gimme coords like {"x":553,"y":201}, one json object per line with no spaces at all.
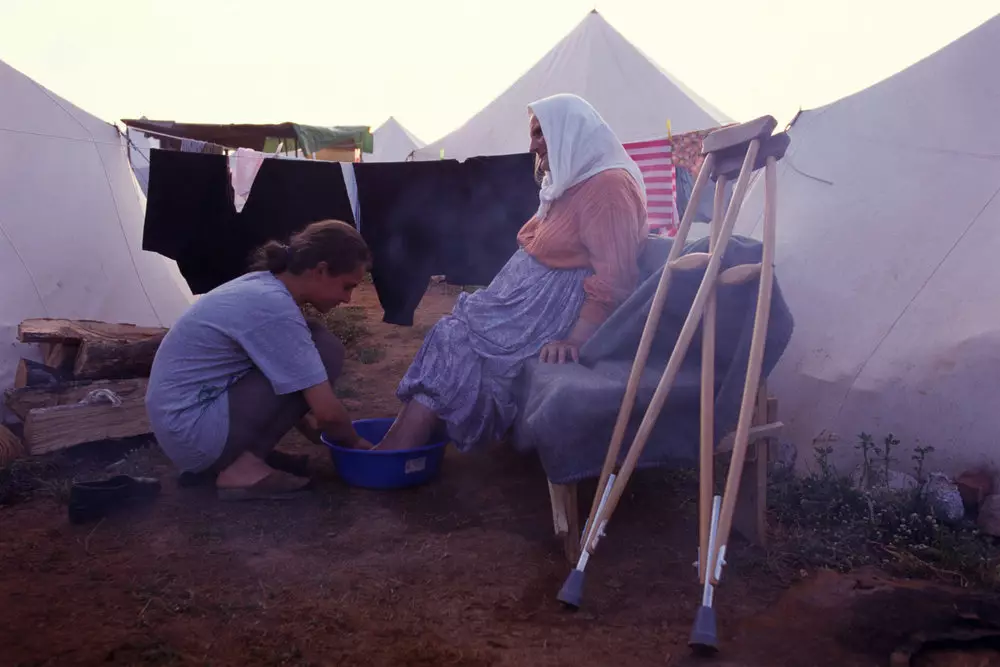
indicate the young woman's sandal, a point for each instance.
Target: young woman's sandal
{"x":277,"y":485}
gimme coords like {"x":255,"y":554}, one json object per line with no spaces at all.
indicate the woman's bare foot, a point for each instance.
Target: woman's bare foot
{"x":412,"y":428}
{"x":244,"y":472}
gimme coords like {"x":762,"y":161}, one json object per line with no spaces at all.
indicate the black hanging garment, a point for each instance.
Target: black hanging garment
{"x":500,"y":195}
{"x":289,"y":195}
{"x":191,"y":218}
{"x":410,"y":216}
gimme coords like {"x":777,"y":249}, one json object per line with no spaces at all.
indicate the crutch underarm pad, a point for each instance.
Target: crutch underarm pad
{"x":739,"y":136}
{"x":729,"y":165}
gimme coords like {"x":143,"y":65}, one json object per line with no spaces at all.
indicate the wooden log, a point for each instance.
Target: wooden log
{"x":35,"y":374}
{"x":11,"y":447}
{"x":60,"y":355}
{"x":63,"y":426}
{"x":45,"y":330}
{"x":22,"y":401}
{"x":110,"y":360}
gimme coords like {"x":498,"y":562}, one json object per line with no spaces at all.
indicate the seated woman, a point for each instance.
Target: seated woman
{"x":242,"y":366}
{"x":577,"y":261}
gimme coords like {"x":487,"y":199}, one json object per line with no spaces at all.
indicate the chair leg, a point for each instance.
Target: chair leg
{"x":566,"y":518}
{"x":750,"y":514}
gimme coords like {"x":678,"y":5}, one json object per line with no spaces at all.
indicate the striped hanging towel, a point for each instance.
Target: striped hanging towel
{"x":656,"y":162}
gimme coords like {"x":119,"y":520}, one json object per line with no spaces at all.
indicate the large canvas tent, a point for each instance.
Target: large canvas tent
{"x":392,"y":143}
{"x":633,"y":94}
{"x":71,"y":218}
{"x":888,"y":242}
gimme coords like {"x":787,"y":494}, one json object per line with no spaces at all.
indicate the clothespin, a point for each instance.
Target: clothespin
{"x":442,"y":153}
{"x":670,"y":135}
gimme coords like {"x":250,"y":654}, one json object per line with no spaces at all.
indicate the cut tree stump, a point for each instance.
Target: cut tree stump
{"x":45,"y":330}
{"x":24,"y":400}
{"x":11,"y":447}
{"x":113,"y":359}
{"x":64,"y":426}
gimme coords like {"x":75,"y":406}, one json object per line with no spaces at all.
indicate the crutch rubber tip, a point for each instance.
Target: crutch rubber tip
{"x":571,"y":593}
{"x":704,"y":639}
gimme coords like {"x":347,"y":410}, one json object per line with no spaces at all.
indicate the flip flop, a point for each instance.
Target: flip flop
{"x":292,"y":463}
{"x":277,"y":485}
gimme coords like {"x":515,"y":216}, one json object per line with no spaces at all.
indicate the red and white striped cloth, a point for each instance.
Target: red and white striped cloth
{"x":656,"y":162}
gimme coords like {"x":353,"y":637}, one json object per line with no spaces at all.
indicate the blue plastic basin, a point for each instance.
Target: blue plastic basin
{"x":374,"y":469}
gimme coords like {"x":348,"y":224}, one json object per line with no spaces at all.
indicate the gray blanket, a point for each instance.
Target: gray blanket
{"x":567,"y":412}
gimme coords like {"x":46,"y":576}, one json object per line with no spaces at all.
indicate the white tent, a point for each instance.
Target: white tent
{"x":888,"y":246}
{"x":633,"y":94}
{"x":71,"y":218}
{"x":393,"y":143}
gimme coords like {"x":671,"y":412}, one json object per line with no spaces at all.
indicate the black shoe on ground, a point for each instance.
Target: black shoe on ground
{"x":93,"y":500}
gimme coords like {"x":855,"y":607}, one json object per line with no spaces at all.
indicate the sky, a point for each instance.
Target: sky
{"x":434,"y":63}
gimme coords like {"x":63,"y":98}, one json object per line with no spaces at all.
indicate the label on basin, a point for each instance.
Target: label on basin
{"x":415,"y":465}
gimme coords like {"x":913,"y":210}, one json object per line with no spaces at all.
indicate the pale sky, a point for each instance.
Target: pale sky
{"x":434,"y":63}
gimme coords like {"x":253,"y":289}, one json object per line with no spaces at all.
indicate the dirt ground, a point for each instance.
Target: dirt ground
{"x":460,"y":573}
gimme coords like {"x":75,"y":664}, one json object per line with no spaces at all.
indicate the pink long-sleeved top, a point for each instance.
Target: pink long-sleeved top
{"x":598,"y":224}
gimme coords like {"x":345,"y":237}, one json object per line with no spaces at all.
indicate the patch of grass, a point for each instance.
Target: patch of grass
{"x":346,"y":391}
{"x":370,"y":355}
{"x":347,"y":323}
{"x":824,"y":520}
{"x":23,"y":478}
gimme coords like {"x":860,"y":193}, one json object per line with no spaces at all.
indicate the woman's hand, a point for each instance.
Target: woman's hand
{"x":559,"y":352}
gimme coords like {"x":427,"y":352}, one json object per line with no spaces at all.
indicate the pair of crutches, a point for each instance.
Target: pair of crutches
{"x":733,"y":151}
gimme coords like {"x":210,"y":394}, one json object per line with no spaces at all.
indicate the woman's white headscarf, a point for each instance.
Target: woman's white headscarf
{"x":579,"y":143}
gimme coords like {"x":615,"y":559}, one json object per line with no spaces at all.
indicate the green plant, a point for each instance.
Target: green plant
{"x":822,"y":453}
{"x":823,"y":520}
{"x":869,"y":450}
{"x":920,"y":457}
{"x":890,"y":442}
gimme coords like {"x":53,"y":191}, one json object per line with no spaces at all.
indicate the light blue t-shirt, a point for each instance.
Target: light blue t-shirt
{"x":249,"y":321}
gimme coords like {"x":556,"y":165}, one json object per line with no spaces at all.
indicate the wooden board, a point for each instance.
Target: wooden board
{"x":22,"y":401}
{"x":52,"y":429}
{"x":45,"y":330}
{"x":104,"y":359}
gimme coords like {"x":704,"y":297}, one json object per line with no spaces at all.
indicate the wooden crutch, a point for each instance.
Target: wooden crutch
{"x":572,"y":590}
{"x":704,"y":634}
{"x":645,"y":344}
{"x":706,"y":465}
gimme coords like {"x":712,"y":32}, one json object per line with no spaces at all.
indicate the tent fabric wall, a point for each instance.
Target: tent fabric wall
{"x":393,"y":143}
{"x":71,"y":223}
{"x":888,"y":238}
{"x":633,"y":94}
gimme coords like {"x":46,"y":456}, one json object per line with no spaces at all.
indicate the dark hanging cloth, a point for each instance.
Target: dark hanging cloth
{"x":500,"y":195}
{"x":191,"y":218}
{"x":288,"y":195}
{"x":410,"y":212}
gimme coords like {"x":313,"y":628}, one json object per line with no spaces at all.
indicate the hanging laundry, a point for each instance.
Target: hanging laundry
{"x":287,"y":195}
{"x":441,"y":217}
{"x":500,"y":196}
{"x":244,"y":164}
{"x":410,"y":214}
{"x":192,"y":146}
{"x":655,"y":160}
{"x":190,"y":217}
